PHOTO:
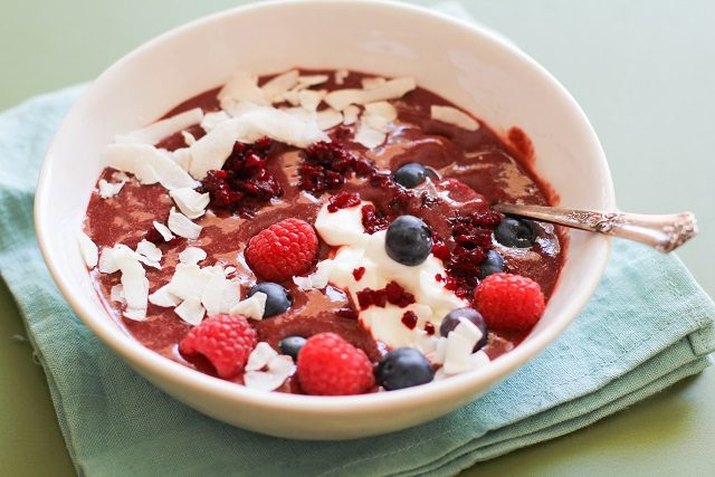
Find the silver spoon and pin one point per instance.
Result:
(665, 233)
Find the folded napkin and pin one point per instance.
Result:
(648, 326)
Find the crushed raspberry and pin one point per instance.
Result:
(438, 277)
(439, 248)
(409, 319)
(373, 221)
(283, 250)
(330, 366)
(225, 341)
(511, 302)
(397, 295)
(471, 238)
(429, 328)
(358, 273)
(344, 200)
(244, 184)
(393, 293)
(325, 167)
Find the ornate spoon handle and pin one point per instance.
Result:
(663, 232)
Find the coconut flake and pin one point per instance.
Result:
(164, 298)
(450, 115)
(318, 279)
(116, 294)
(189, 138)
(350, 114)
(149, 164)
(108, 190)
(292, 97)
(310, 99)
(392, 89)
(191, 311)
(149, 254)
(311, 80)
(240, 87)
(190, 203)
(274, 88)
(252, 307)
(157, 131)
(192, 255)
(213, 119)
(260, 357)
(460, 343)
(134, 282)
(220, 294)
(182, 157)
(328, 118)
(341, 75)
(369, 137)
(279, 369)
(88, 250)
(211, 151)
(372, 83)
(163, 231)
(379, 114)
(182, 225)
(107, 264)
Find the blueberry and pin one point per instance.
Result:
(519, 233)
(408, 240)
(451, 321)
(290, 345)
(410, 175)
(278, 299)
(494, 263)
(403, 368)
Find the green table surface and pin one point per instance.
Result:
(644, 72)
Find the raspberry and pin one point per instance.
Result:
(283, 250)
(511, 302)
(330, 366)
(225, 341)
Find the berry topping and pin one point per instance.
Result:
(372, 220)
(325, 167)
(403, 368)
(393, 293)
(511, 302)
(519, 233)
(278, 300)
(343, 200)
(283, 250)
(410, 175)
(358, 273)
(225, 341)
(291, 345)
(330, 366)
(408, 240)
(493, 263)
(409, 319)
(243, 184)
(452, 319)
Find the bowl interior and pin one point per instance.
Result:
(471, 68)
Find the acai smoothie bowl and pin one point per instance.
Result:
(282, 215)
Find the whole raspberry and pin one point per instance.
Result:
(508, 301)
(283, 250)
(225, 340)
(330, 366)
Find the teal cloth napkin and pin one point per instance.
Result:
(648, 326)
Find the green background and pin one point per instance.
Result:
(643, 71)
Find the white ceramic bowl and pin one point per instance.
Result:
(462, 62)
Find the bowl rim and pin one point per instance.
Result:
(145, 360)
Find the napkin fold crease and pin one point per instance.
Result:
(648, 326)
